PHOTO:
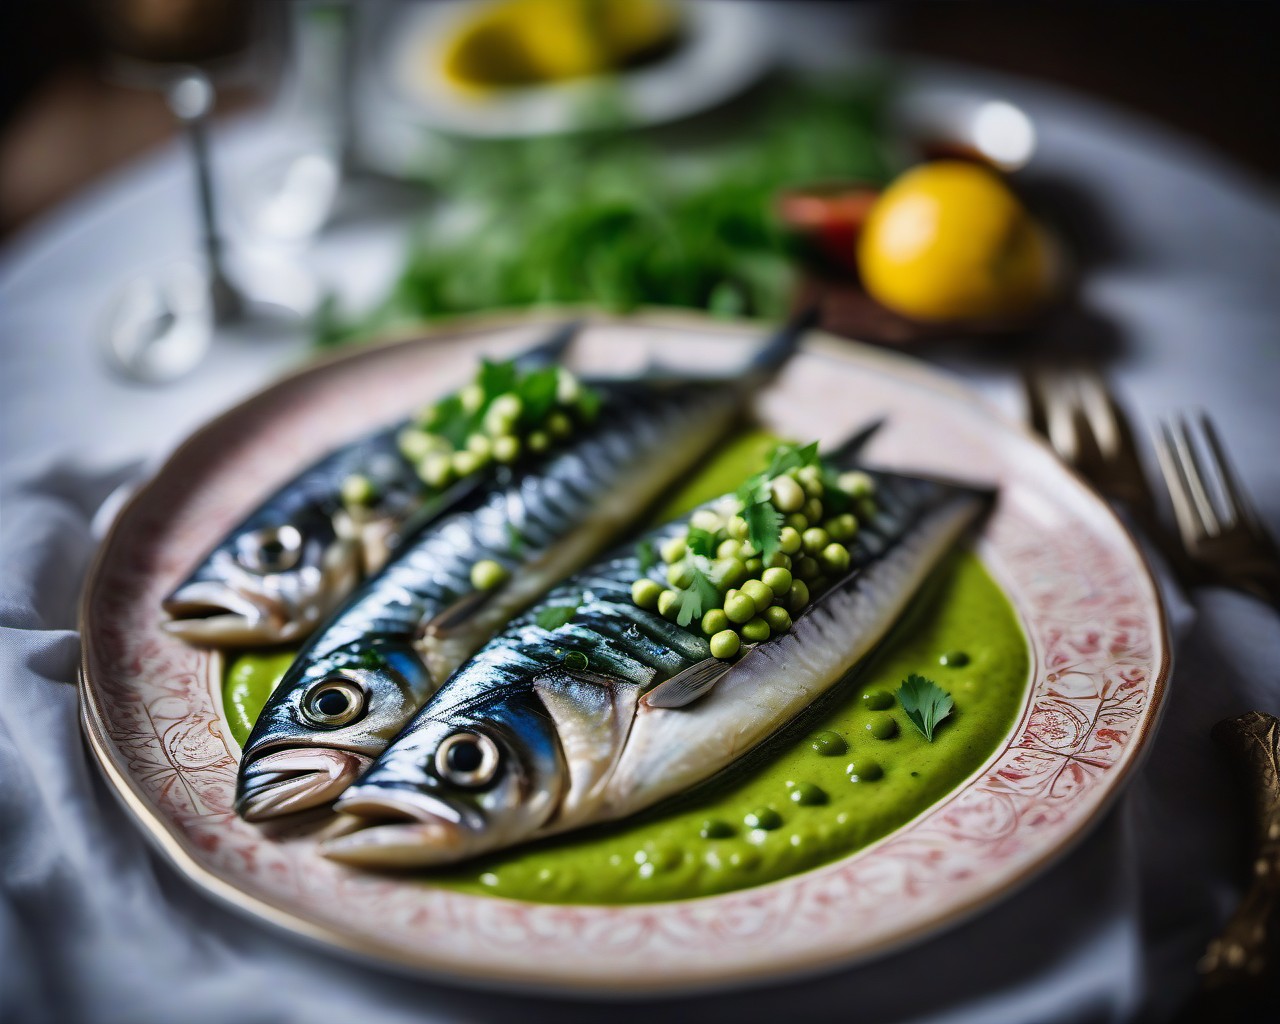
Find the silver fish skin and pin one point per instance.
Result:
(362, 677)
(522, 743)
(288, 564)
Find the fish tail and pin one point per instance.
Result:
(551, 349)
(766, 363)
(849, 449)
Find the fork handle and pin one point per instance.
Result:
(1234, 968)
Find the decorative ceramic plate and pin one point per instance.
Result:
(1090, 610)
(724, 47)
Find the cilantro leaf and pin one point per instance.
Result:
(537, 391)
(754, 490)
(496, 378)
(764, 527)
(588, 402)
(925, 703)
(553, 616)
(700, 595)
(787, 457)
(701, 542)
(451, 421)
(644, 552)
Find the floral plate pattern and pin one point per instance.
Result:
(1099, 651)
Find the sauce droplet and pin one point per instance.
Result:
(878, 700)
(883, 727)
(954, 659)
(864, 770)
(829, 744)
(807, 794)
(713, 829)
(764, 818)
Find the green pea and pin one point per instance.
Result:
(576, 661)
(506, 449)
(480, 446)
(739, 607)
(732, 572)
(413, 444)
(358, 489)
(787, 495)
(436, 470)
(864, 769)
(754, 566)
(814, 539)
(806, 794)
(789, 540)
(559, 425)
(715, 621)
(777, 618)
(845, 527)
(506, 407)
(810, 478)
(487, 574)
(836, 558)
(755, 632)
(472, 397)
(806, 568)
(829, 744)
(729, 548)
(725, 644)
(673, 550)
(465, 463)
(856, 484)
(538, 441)
(777, 560)
(680, 575)
(883, 727)
(738, 528)
(878, 699)
(954, 659)
(748, 550)
(763, 817)
(813, 510)
(798, 522)
(645, 592)
(759, 592)
(568, 390)
(713, 828)
(777, 580)
(705, 519)
(797, 597)
(667, 604)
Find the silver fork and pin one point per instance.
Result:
(1076, 411)
(1220, 530)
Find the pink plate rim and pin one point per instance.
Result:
(1095, 621)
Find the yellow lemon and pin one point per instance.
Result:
(524, 42)
(950, 241)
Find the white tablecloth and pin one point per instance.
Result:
(94, 926)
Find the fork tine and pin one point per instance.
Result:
(1237, 507)
(1035, 387)
(1100, 409)
(1190, 524)
(1195, 476)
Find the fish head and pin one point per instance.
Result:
(456, 785)
(270, 582)
(324, 725)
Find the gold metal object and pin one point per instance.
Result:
(1076, 411)
(1220, 531)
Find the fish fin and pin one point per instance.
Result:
(851, 447)
(456, 614)
(775, 352)
(593, 716)
(687, 686)
(550, 349)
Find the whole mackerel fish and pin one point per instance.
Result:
(290, 562)
(522, 743)
(363, 676)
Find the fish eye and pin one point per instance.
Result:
(274, 549)
(334, 702)
(467, 759)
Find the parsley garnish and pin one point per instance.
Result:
(644, 552)
(700, 542)
(700, 595)
(764, 527)
(537, 391)
(764, 522)
(925, 702)
(553, 616)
